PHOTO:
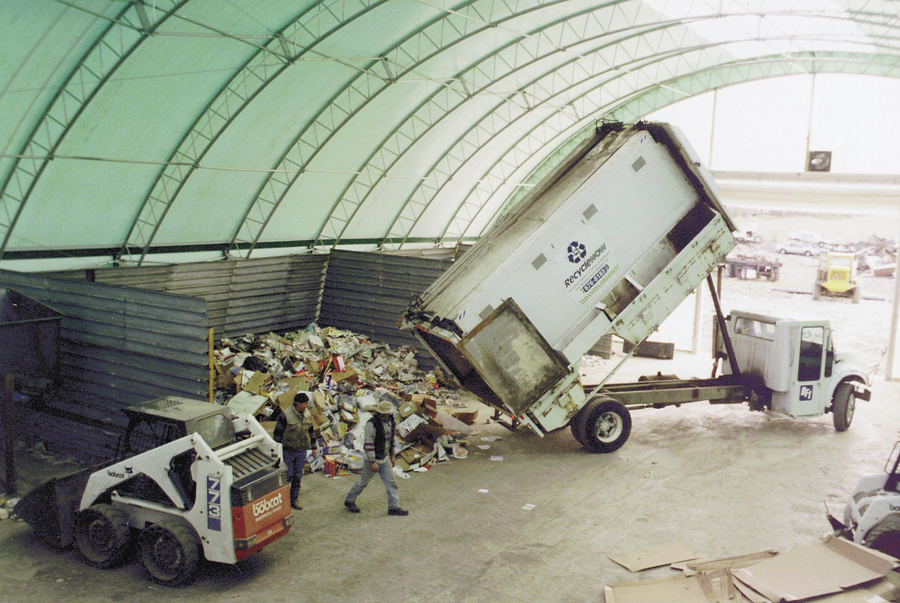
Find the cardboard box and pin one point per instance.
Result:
(407, 408)
(257, 381)
(467, 417)
(349, 375)
(246, 404)
(823, 568)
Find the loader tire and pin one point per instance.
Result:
(170, 552)
(885, 536)
(842, 406)
(102, 535)
(607, 425)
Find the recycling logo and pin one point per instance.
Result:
(576, 252)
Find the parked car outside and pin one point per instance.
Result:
(807, 236)
(798, 248)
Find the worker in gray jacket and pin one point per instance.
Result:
(378, 446)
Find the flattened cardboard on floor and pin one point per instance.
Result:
(815, 570)
(653, 557)
(680, 589)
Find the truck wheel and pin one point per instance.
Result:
(885, 536)
(102, 535)
(607, 425)
(577, 426)
(842, 406)
(170, 552)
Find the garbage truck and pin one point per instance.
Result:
(611, 242)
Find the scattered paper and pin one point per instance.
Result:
(496, 457)
(484, 446)
(483, 490)
(489, 438)
(528, 507)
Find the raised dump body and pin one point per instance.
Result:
(610, 242)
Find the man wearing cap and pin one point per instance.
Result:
(379, 449)
(293, 430)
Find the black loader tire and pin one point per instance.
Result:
(885, 536)
(842, 406)
(102, 535)
(607, 425)
(170, 551)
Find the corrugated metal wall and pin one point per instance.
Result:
(118, 346)
(367, 293)
(243, 296)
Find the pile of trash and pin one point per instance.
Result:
(346, 375)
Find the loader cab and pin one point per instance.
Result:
(156, 422)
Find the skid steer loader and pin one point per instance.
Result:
(189, 481)
(872, 515)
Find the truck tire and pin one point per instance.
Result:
(577, 426)
(885, 536)
(842, 406)
(607, 425)
(102, 535)
(170, 552)
(857, 294)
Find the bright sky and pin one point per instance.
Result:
(763, 126)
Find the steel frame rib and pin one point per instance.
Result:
(500, 117)
(435, 37)
(297, 37)
(108, 52)
(737, 72)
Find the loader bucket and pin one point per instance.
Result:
(50, 508)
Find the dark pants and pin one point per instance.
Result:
(295, 461)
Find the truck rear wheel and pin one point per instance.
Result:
(885, 536)
(170, 552)
(842, 406)
(102, 535)
(606, 425)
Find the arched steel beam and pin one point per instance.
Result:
(696, 82)
(109, 51)
(435, 37)
(432, 110)
(535, 94)
(289, 43)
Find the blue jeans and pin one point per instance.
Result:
(294, 460)
(386, 471)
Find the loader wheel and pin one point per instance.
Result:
(102, 535)
(842, 406)
(170, 552)
(885, 536)
(607, 425)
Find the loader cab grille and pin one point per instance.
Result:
(248, 462)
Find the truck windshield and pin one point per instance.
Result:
(754, 328)
(217, 431)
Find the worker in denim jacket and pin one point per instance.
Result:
(379, 450)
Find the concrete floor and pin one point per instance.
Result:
(719, 479)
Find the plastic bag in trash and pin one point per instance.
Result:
(400, 473)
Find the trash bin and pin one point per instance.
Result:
(29, 337)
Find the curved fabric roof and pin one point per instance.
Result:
(147, 130)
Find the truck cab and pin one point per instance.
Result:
(793, 367)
